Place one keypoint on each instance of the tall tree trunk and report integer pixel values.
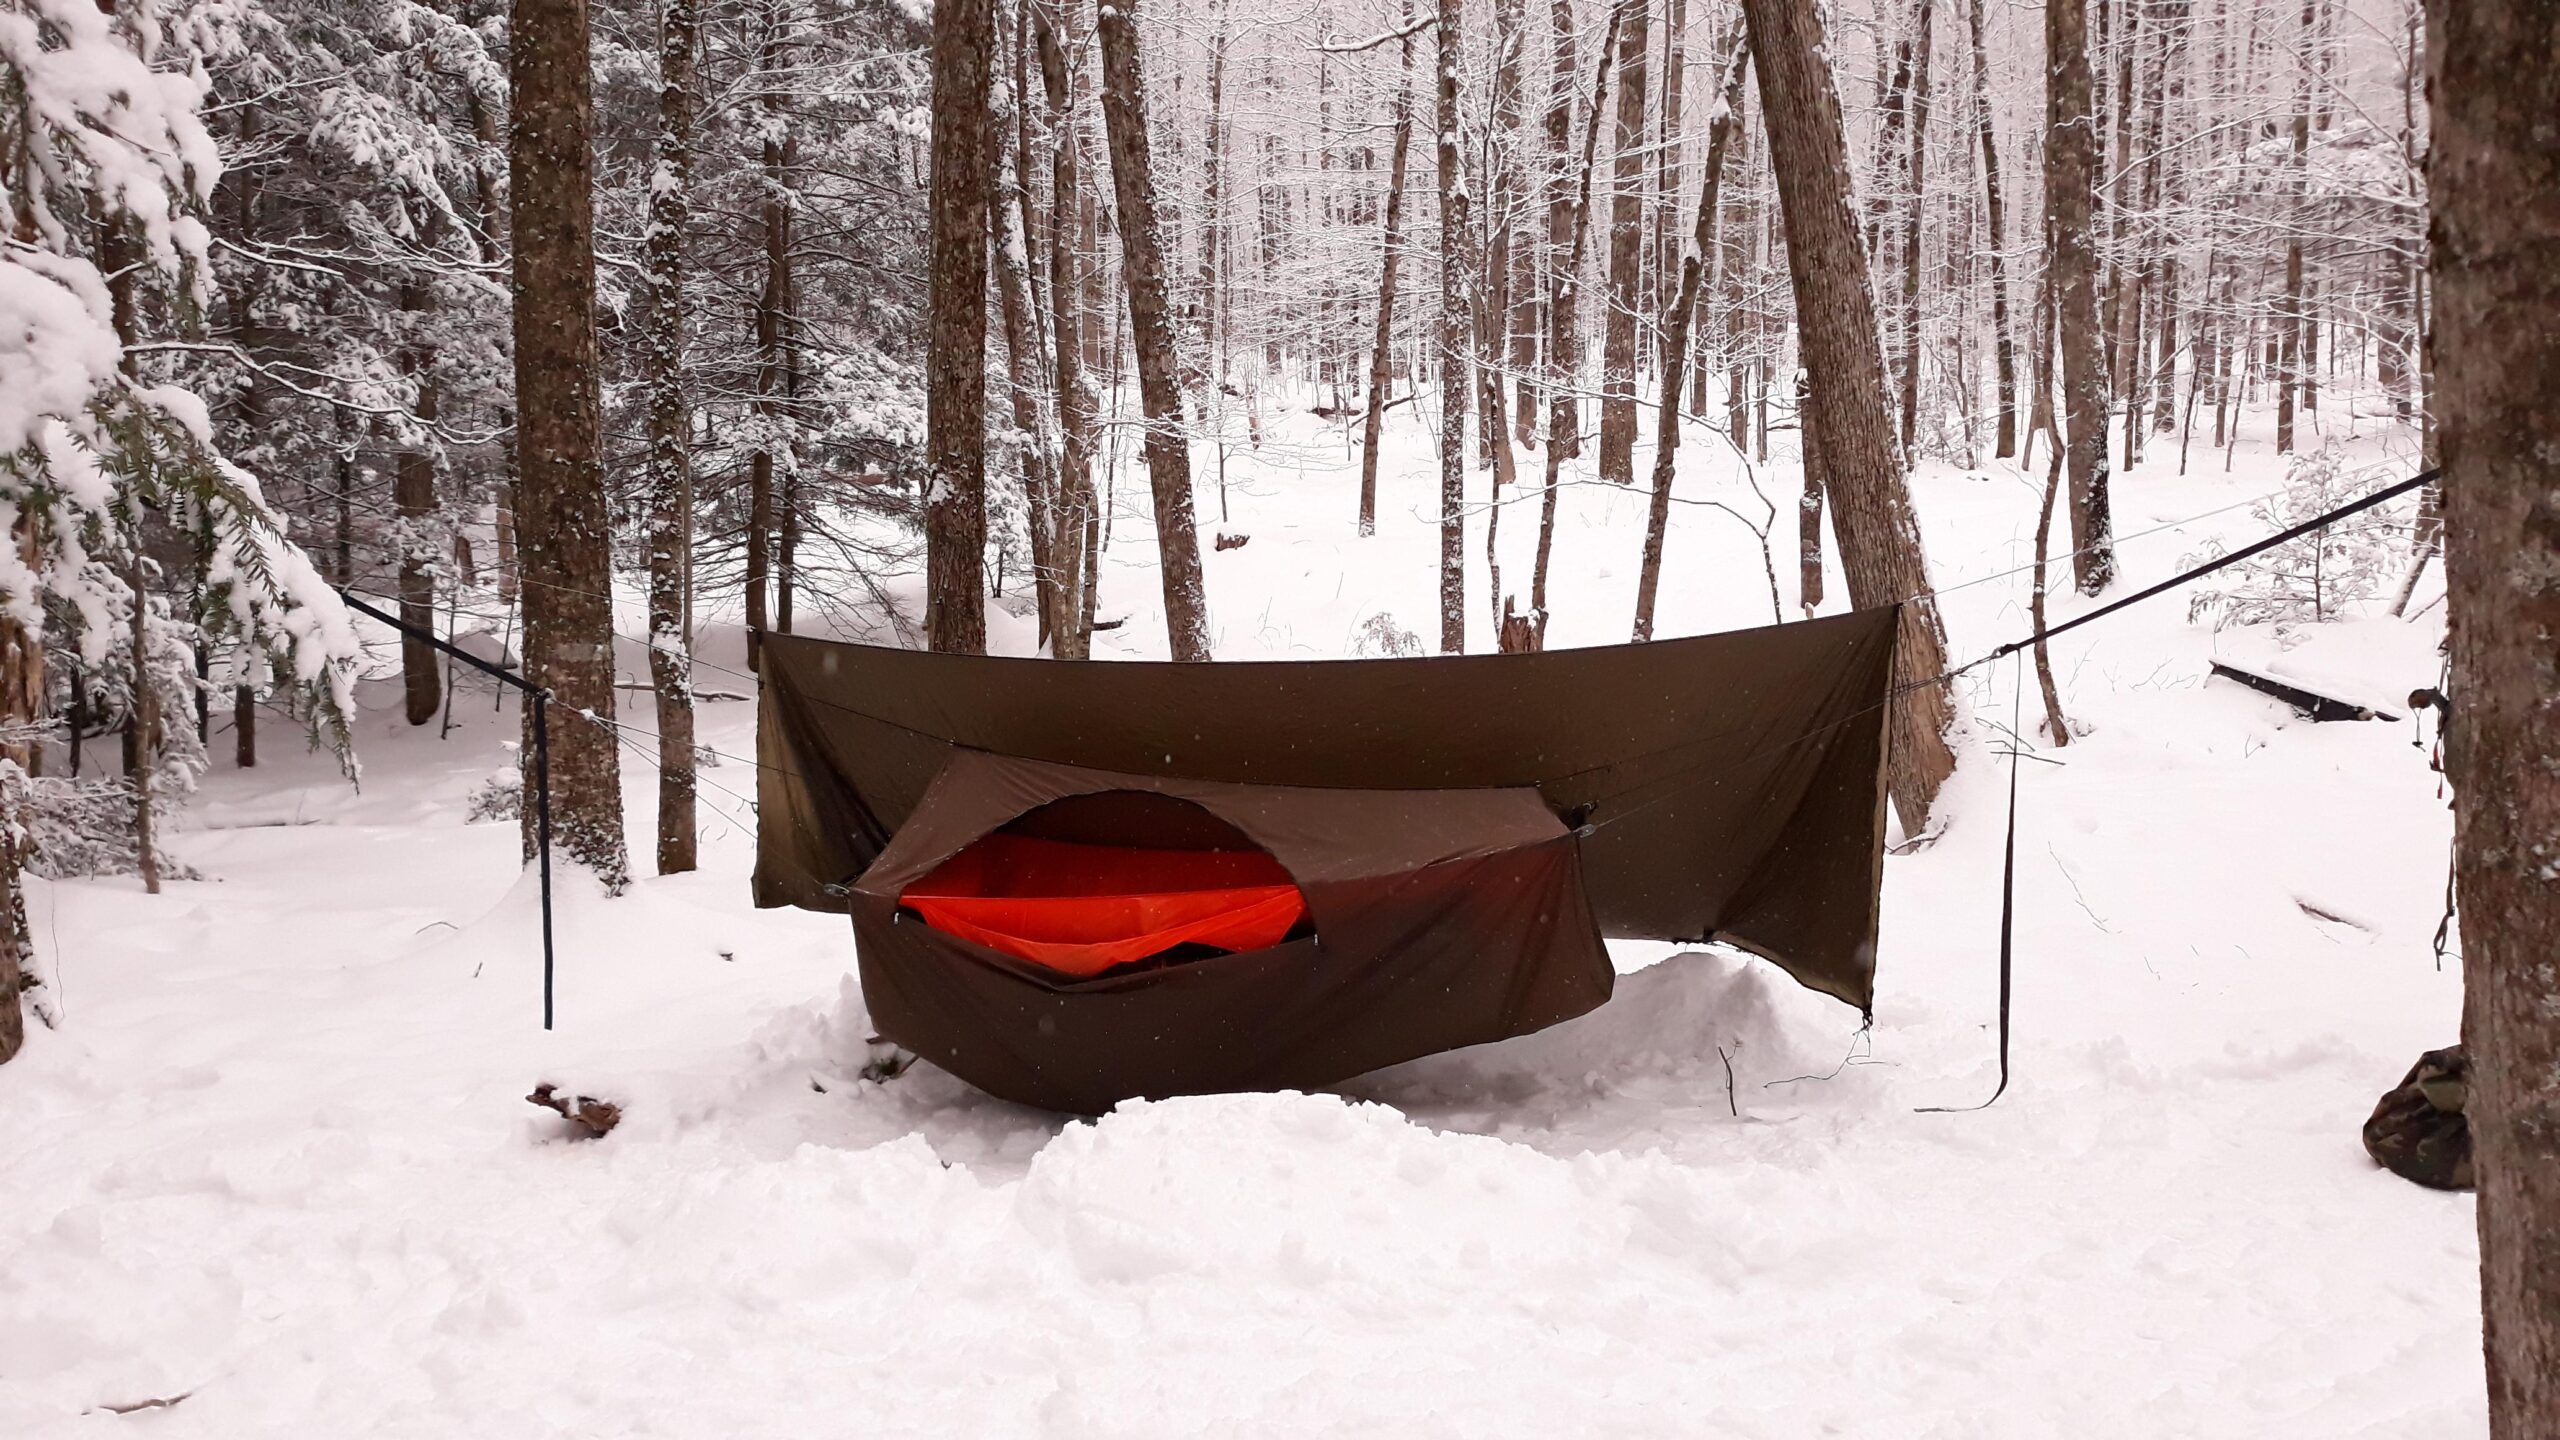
(565, 533)
(1070, 552)
(1835, 318)
(1735, 53)
(2292, 325)
(771, 302)
(1455, 329)
(22, 702)
(956, 336)
(1809, 504)
(1168, 450)
(1662, 265)
(2003, 347)
(120, 256)
(1519, 249)
(1913, 169)
(670, 418)
(2494, 183)
(413, 495)
(1566, 282)
(1563, 367)
(1626, 255)
(1382, 354)
(2070, 165)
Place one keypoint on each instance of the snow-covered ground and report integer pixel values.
(276, 1158)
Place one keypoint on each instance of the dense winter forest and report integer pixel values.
(877, 319)
(1159, 228)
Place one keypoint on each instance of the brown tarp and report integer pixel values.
(1722, 787)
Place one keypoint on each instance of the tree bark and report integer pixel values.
(2494, 182)
(1626, 255)
(1735, 53)
(1382, 354)
(2070, 164)
(1562, 370)
(670, 419)
(2290, 326)
(1516, 258)
(413, 495)
(23, 699)
(1070, 551)
(1560, 312)
(1168, 451)
(564, 527)
(1835, 318)
(120, 257)
(1913, 169)
(1456, 326)
(769, 308)
(1809, 504)
(956, 330)
(2003, 347)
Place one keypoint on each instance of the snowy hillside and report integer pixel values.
(274, 1164)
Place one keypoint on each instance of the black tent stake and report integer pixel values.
(540, 699)
(542, 831)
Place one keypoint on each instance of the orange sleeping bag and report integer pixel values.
(1081, 909)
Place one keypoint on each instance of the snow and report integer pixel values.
(276, 1157)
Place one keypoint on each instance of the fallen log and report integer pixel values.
(2310, 704)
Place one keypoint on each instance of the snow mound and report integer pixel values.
(1667, 1037)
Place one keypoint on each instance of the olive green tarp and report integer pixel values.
(1465, 829)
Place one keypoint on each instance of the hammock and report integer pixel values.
(1081, 909)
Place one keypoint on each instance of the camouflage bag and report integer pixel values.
(2418, 1131)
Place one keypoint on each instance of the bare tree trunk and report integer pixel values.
(2070, 164)
(1809, 504)
(1914, 170)
(2291, 325)
(1661, 264)
(1835, 318)
(413, 495)
(956, 337)
(1072, 550)
(1382, 357)
(2003, 348)
(662, 358)
(2056, 728)
(1455, 328)
(24, 700)
(1212, 214)
(1567, 280)
(1564, 334)
(1626, 255)
(1025, 380)
(1735, 53)
(769, 308)
(2494, 183)
(1124, 115)
(1519, 255)
(565, 530)
(120, 255)
(1492, 299)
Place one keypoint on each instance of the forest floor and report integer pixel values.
(274, 1164)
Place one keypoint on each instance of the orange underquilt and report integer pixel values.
(1081, 909)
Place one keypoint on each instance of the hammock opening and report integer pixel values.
(1122, 877)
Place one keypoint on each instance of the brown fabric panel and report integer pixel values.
(1836, 824)
(1695, 759)
(813, 832)
(1319, 835)
(1112, 817)
(1455, 954)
